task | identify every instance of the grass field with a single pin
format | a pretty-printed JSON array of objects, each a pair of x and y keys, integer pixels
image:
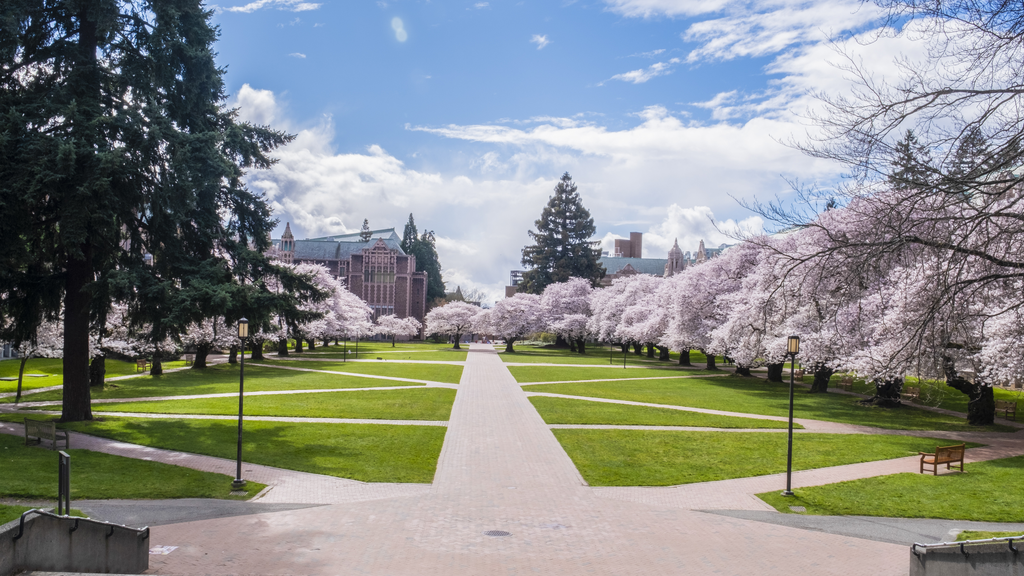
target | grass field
[
  {"x": 988, "y": 491},
  {"x": 595, "y": 355},
  {"x": 401, "y": 351},
  {"x": 757, "y": 396},
  {"x": 223, "y": 378},
  {"x": 526, "y": 374},
  {"x": 99, "y": 476},
  {"x": 366, "y": 452},
  {"x": 54, "y": 370},
  {"x": 433, "y": 372},
  {"x": 566, "y": 411},
  {"x": 9, "y": 512},
  {"x": 414, "y": 404},
  {"x": 666, "y": 458},
  {"x": 983, "y": 535}
]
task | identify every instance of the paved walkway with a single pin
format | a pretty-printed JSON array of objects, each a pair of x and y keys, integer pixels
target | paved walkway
[{"x": 501, "y": 469}]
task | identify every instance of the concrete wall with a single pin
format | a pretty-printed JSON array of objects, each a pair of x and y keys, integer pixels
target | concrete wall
[
  {"x": 989, "y": 559},
  {"x": 48, "y": 544}
]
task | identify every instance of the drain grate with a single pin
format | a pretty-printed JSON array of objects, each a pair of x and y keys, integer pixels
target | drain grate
[{"x": 497, "y": 533}]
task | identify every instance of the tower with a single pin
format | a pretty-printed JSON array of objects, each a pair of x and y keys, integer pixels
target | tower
[
  {"x": 702, "y": 255},
  {"x": 675, "y": 263},
  {"x": 287, "y": 244}
]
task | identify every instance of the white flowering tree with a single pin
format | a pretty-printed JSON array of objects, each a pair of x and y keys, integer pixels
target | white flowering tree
[
  {"x": 206, "y": 336},
  {"x": 392, "y": 326},
  {"x": 566, "y": 310},
  {"x": 516, "y": 317},
  {"x": 452, "y": 320}
]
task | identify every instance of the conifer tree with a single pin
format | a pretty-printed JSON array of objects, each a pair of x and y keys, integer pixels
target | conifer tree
[
  {"x": 365, "y": 234},
  {"x": 562, "y": 248},
  {"x": 424, "y": 249},
  {"x": 910, "y": 166},
  {"x": 115, "y": 145}
]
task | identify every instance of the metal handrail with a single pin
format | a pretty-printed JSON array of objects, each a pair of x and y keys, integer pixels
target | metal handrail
[
  {"x": 1008, "y": 539},
  {"x": 141, "y": 532}
]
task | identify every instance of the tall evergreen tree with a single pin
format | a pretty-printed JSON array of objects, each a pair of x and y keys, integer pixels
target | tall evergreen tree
[
  {"x": 365, "y": 234},
  {"x": 424, "y": 248},
  {"x": 562, "y": 248},
  {"x": 910, "y": 164},
  {"x": 114, "y": 144}
]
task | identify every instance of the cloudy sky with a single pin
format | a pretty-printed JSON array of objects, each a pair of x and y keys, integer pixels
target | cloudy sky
[{"x": 667, "y": 113}]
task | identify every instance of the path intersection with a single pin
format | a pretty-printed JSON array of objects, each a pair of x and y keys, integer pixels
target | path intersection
[{"x": 507, "y": 499}]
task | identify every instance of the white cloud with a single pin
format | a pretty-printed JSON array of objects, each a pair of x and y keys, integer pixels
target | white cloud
[
  {"x": 650, "y": 54},
  {"x": 290, "y": 5},
  {"x": 399, "y": 27},
  {"x": 540, "y": 41},
  {"x": 653, "y": 8},
  {"x": 644, "y": 74},
  {"x": 297, "y": 55},
  {"x": 480, "y": 5}
]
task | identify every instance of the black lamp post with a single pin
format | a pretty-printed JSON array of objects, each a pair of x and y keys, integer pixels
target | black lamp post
[
  {"x": 243, "y": 333},
  {"x": 792, "y": 349}
]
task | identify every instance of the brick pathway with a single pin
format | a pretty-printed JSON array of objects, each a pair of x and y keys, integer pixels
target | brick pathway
[{"x": 501, "y": 469}]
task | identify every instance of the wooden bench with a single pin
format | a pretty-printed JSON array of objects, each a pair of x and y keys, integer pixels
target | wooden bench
[
  {"x": 910, "y": 393},
  {"x": 190, "y": 359},
  {"x": 1008, "y": 408},
  {"x": 141, "y": 365},
  {"x": 36, "y": 431},
  {"x": 948, "y": 455},
  {"x": 798, "y": 373},
  {"x": 846, "y": 383}
]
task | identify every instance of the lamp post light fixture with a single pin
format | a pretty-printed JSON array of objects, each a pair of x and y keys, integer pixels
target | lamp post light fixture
[
  {"x": 792, "y": 349},
  {"x": 243, "y": 333}
]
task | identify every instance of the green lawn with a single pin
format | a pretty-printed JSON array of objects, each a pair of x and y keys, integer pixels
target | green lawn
[
  {"x": 9, "y": 513},
  {"x": 595, "y": 355},
  {"x": 666, "y": 458},
  {"x": 988, "y": 491},
  {"x": 983, "y": 535},
  {"x": 366, "y": 452},
  {"x": 222, "y": 378},
  {"x": 54, "y": 369},
  {"x": 566, "y": 411},
  {"x": 95, "y": 475},
  {"x": 527, "y": 374},
  {"x": 401, "y": 351},
  {"x": 431, "y": 372},
  {"x": 757, "y": 396},
  {"x": 415, "y": 404}
]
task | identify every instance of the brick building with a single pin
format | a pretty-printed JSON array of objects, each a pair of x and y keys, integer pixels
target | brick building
[{"x": 377, "y": 269}]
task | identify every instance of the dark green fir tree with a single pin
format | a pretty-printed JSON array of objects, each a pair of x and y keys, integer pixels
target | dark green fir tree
[
  {"x": 365, "y": 234},
  {"x": 562, "y": 246},
  {"x": 910, "y": 165},
  {"x": 424, "y": 248},
  {"x": 121, "y": 175}
]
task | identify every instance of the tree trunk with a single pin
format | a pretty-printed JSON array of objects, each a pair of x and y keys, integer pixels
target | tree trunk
[
  {"x": 711, "y": 361},
  {"x": 311, "y": 343},
  {"x": 458, "y": 337},
  {"x": 21, "y": 375},
  {"x": 508, "y": 345},
  {"x": 298, "y": 345},
  {"x": 581, "y": 346},
  {"x": 282, "y": 347},
  {"x": 572, "y": 345},
  {"x": 98, "y": 370},
  {"x": 624, "y": 346},
  {"x": 158, "y": 365},
  {"x": 257, "y": 350},
  {"x": 981, "y": 406},
  {"x": 684, "y": 357},
  {"x": 663, "y": 353},
  {"x": 233, "y": 354},
  {"x": 650, "y": 351},
  {"x": 887, "y": 393},
  {"x": 742, "y": 371},
  {"x": 202, "y": 351},
  {"x": 561, "y": 342},
  {"x": 822, "y": 374},
  {"x": 392, "y": 340},
  {"x": 775, "y": 371},
  {"x": 638, "y": 349},
  {"x": 77, "y": 404}
]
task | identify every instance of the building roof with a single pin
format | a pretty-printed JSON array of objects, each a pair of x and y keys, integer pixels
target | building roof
[
  {"x": 655, "y": 266},
  {"x": 334, "y": 250},
  {"x": 384, "y": 233}
]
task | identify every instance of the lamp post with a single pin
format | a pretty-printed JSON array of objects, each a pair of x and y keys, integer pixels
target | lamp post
[
  {"x": 243, "y": 333},
  {"x": 792, "y": 349}
]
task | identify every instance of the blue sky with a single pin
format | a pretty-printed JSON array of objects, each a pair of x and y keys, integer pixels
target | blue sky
[{"x": 666, "y": 113}]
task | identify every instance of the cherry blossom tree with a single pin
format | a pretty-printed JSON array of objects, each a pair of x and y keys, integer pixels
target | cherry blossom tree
[
  {"x": 206, "y": 336},
  {"x": 516, "y": 317},
  {"x": 452, "y": 320},
  {"x": 566, "y": 308},
  {"x": 393, "y": 326}
]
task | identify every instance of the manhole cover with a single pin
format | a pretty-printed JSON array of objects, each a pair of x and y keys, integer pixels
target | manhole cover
[
  {"x": 497, "y": 533},
  {"x": 798, "y": 509}
]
